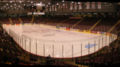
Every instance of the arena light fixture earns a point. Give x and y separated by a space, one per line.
72 2
20 1
63 1
49 3
19 6
79 2
11 6
7 4
57 4
15 4
63 4
39 4
24 4
31 2
11 1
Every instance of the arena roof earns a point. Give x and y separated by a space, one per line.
18 6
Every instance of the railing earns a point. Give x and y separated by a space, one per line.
62 49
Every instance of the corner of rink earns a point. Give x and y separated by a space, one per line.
17 28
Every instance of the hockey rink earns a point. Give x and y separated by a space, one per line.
45 40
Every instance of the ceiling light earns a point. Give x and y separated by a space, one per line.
31 1
11 1
20 1
57 4
49 3
7 4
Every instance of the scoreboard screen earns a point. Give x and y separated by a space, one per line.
38 10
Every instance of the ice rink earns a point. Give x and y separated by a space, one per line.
58 43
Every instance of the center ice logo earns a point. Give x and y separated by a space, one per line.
90 45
